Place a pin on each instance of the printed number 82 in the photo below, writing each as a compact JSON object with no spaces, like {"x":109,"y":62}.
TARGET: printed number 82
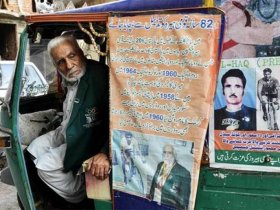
{"x":206,"y":23}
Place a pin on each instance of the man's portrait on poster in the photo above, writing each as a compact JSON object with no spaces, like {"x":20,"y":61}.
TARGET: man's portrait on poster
{"x":268,"y":95}
{"x":130,"y":153}
{"x":235,"y":101}
{"x":171,"y":181}
{"x":129,"y":161}
{"x":165,"y":167}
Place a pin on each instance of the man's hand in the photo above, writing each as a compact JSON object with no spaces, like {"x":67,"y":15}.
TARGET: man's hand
{"x":99,"y":166}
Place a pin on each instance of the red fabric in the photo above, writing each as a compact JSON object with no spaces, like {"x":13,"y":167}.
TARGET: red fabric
{"x":229,"y":44}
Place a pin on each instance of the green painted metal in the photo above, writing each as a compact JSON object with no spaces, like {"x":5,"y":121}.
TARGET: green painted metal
{"x":234,"y":190}
{"x":14,"y":155}
{"x":103,"y":205}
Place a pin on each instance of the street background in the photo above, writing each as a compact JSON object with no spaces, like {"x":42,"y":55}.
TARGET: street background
{"x":8,"y":197}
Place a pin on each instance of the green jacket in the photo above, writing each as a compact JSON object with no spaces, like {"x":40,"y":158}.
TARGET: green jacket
{"x":176,"y":190}
{"x":88,"y":129}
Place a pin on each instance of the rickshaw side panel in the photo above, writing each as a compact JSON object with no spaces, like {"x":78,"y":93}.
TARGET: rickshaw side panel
{"x":19,"y":180}
{"x":231,"y":189}
{"x":127,"y":201}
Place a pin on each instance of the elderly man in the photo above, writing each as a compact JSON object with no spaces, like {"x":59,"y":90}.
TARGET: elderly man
{"x":235,"y":115}
{"x":171,"y":181}
{"x":83,"y":133}
{"x":244,"y":31}
{"x":268,"y":94}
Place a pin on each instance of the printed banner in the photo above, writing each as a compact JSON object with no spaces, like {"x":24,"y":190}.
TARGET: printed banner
{"x":246,"y":139}
{"x":163,"y":70}
{"x":244,"y":133}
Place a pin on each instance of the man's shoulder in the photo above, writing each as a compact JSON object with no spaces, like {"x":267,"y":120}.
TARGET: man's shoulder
{"x":261,"y":81}
{"x":250,"y":109}
{"x":220,"y":110}
{"x":274,"y":79}
{"x":181,"y":168}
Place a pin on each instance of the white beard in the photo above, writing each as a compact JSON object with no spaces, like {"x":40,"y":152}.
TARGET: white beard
{"x":74,"y":79}
{"x":169,"y":162}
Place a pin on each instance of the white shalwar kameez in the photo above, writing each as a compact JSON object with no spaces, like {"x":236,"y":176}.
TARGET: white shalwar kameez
{"x":49,"y":151}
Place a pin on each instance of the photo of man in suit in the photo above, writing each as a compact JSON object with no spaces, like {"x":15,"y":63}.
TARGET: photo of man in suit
{"x":171,"y":181}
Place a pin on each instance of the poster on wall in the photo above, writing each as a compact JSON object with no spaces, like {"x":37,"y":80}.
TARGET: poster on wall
{"x":252,"y":28}
{"x":244,"y":132}
{"x":242,"y":136}
{"x":163,"y":70}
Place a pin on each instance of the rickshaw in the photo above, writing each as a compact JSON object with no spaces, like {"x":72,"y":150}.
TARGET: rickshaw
{"x":217,"y":188}
{"x":23,"y":118}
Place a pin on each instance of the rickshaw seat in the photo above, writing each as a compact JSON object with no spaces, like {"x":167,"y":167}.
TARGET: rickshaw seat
{"x":32,"y":125}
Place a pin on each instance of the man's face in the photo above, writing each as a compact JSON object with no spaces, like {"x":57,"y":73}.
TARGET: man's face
{"x":233,"y":90}
{"x":267,"y":75}
{"x":68,"y":60}
{"x":168,"y":155}
{"x":128,"y":139}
